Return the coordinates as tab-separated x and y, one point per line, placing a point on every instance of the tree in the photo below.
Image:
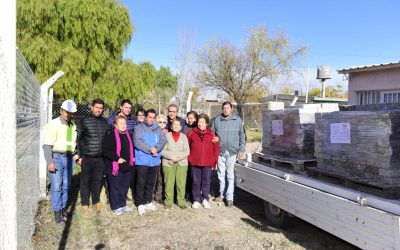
120	81
240	72
314	92
165	88
184	65
142	83
287	90
82	38
330	91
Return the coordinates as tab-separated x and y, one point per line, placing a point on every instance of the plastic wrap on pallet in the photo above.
290	132
372	107
360	144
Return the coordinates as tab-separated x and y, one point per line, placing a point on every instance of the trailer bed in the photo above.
361	225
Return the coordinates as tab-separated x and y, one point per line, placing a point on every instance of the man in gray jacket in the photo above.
230	130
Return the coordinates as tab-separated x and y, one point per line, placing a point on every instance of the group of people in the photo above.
152	155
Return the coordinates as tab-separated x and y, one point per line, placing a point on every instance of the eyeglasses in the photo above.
162	122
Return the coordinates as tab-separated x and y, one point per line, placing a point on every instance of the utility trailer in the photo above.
364	220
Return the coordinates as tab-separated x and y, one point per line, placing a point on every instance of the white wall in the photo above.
8	197
387	79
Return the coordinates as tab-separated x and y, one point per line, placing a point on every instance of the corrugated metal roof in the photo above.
370	67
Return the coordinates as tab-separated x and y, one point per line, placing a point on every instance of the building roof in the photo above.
370	67
316	99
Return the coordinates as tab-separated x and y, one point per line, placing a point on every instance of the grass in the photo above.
254	135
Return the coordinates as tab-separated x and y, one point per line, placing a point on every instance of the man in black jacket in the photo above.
91	131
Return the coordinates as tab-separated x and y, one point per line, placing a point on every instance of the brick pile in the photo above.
371	151
290	132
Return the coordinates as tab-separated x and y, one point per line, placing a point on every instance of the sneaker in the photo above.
126	209
58	218
97	207
167	206
141	209
206	204
196	204
85	209
229	203
118	211
182	206
150	206
219	199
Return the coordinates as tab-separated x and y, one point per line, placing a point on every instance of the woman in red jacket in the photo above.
203	156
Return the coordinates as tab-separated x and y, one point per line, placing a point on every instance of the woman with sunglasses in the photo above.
162	122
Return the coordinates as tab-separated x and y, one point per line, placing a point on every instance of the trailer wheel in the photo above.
277	216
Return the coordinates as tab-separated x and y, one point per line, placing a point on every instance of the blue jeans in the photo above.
226	165
60	181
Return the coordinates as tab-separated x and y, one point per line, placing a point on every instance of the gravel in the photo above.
240	227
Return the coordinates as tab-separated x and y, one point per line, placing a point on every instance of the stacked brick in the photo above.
361	145
290	132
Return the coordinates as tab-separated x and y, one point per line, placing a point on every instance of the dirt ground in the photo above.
241	227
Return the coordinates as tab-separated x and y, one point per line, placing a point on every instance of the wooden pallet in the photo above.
365	185
297	165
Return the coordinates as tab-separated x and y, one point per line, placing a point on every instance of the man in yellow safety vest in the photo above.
59	146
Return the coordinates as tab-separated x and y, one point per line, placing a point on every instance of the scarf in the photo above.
132	158
175	135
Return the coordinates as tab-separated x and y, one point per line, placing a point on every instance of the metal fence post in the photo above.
50	105
44	102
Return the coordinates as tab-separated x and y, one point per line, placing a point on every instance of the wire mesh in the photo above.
27	145
83	109
251	112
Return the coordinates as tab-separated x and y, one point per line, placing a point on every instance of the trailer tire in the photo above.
277	216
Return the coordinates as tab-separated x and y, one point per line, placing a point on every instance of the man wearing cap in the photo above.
90	134
58	147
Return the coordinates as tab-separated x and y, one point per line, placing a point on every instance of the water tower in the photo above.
323	73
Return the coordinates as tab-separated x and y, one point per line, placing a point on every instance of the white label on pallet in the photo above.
340	133
277	127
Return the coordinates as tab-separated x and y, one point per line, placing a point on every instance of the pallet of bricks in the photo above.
360	148
288	134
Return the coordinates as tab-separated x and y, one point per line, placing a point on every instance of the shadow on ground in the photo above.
301	232
73	199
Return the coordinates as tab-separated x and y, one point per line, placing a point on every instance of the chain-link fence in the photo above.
251	112
83	109
27	148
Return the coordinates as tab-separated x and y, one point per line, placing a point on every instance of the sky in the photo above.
337	33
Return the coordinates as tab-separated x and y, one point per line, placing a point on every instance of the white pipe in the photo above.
308	81
44	101
391	206
189	102
47	84
50	105
294	101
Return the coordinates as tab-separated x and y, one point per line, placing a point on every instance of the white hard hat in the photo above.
69	106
